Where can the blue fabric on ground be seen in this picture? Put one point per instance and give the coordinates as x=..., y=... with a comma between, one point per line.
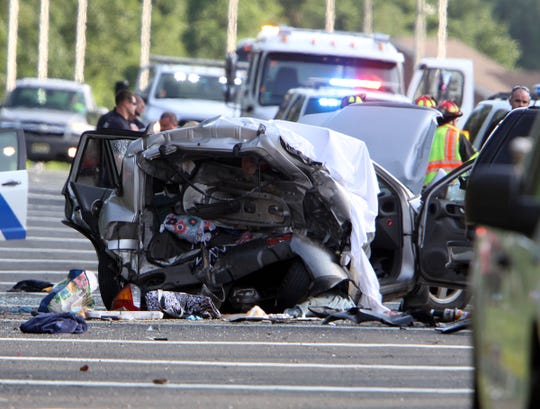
x=55, y=323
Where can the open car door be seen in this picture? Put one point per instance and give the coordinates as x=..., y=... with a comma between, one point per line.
x=94, y=176
x=444, y=240
x=13, y=185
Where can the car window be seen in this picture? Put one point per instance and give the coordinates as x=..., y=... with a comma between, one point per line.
x=284, y=106
x=47, y=98
x=521, y=128
x=190, y=85
x=475, y=121
x=9, y=153
x=283, y=71
x=95, y=168
x=442, y=83
x=296, y=109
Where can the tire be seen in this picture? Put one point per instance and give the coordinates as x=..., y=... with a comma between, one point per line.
x=417, y=298
x=436, y=298
x=295, y=286
x=443, y=297
x=109, y=284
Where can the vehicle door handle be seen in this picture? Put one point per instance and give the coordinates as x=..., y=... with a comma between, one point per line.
x=11, y=183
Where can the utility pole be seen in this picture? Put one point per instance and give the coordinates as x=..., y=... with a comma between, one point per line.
x=80, y=43
x=11, y=68
x=43, y=51
x=420, y=31
x=146, y=27
x=368, y=17
x=442, y=35
x=330, y=15
x=232, y=21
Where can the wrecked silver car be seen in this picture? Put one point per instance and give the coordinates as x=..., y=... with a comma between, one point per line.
x=247, y=212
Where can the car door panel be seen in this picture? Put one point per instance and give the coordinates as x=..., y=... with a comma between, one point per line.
x=444, y=239
x=13, y=185
x=95, y=176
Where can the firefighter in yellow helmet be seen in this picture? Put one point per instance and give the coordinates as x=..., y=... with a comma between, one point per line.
x=450, y=147
x=426, y=101
x=353, y=99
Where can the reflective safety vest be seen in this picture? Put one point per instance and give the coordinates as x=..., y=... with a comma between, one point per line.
x=444, y=152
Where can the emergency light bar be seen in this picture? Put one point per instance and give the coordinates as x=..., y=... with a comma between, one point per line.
x=355, y=83
x=329, y=102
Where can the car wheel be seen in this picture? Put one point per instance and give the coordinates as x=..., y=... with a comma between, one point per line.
x=417, y=298
x=295, y=286
x=109, y=285
x=443, y=297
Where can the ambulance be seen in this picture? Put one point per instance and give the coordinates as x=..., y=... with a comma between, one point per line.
x=284, y=57
x=13, y=184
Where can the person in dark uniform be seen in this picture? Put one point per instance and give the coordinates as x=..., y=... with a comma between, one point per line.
x=139, y=110
x=120, y=116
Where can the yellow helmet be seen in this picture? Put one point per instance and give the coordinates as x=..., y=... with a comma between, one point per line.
x=352, y=99
x=426, y=101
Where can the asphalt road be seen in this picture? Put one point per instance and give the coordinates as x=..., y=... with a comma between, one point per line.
x=206, y=364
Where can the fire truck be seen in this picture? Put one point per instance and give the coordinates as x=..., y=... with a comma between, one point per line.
x=281, y=58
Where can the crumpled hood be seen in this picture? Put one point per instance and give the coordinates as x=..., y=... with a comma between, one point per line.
x=398, y=136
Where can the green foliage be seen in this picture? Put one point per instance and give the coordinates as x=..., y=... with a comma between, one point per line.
x=198, y=28
x=522, y=17
x=475, y=26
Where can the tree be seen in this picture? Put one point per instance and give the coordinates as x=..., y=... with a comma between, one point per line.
x=476, y=26
x=197, y=28
x=521, y=17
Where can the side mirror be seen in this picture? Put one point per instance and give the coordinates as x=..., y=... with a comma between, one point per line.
x=494, y=198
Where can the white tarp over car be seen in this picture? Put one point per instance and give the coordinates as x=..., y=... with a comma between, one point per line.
x=349, y=163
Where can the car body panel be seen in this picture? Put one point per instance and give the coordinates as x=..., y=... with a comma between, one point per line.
x=13, y=185
x=503, y=204
x=400, y=145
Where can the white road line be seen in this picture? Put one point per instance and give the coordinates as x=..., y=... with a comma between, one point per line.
x=43, y=196
x=49, y=250
x=239, y=343
x=44, y=219
x=241, y=387
x=56, y=239
x=42, y=261
x=48, y=229
x=242, y=364
x=33, y=272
